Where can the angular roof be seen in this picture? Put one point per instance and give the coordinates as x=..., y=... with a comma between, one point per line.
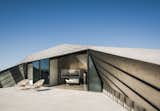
x=146, y=55
x=54, y=52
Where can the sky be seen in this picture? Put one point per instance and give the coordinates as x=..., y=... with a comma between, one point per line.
x=29, y=26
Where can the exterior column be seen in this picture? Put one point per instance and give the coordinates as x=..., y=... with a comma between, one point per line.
x=53, y=72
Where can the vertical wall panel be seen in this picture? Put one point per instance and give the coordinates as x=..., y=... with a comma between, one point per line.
x=53, y=72
x=12, y=76
x=30, y=71
x=7, y=79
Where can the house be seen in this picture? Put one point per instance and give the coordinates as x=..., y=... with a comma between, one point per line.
x=130, y=74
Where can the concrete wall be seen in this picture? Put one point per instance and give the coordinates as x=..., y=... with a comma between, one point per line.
x=137, y=81
x=53, y=72
x=6, y=79
x=30, y=71
x=11, y=76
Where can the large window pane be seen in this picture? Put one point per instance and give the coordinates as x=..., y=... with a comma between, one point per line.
x=44, y=65
x=94, y=82
x=36, y=71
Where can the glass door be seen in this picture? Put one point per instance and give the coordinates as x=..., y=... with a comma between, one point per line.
x=44, y=66
x=36, y=71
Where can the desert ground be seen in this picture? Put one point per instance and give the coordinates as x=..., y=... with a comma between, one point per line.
x=55, y=99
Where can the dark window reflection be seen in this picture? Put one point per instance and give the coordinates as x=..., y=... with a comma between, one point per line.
x=44, y=65
x=94, y=80
x=36, y=71
x=41, y=70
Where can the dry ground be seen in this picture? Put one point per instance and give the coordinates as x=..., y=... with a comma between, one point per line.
x=55, y=99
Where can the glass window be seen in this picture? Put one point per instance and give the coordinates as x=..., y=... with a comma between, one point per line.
x=44, y=65
x=36, y=71
x=94, y=82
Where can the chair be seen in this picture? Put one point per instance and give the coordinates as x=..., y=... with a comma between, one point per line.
x=36, y=85
x=23, y=83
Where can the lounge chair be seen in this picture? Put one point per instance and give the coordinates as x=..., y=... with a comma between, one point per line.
x=23, y=83
x=38, y=84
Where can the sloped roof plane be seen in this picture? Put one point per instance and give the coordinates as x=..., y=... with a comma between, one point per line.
x=146, y=55
x=54, y=52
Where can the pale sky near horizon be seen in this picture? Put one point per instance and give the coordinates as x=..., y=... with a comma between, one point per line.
x=28, y=26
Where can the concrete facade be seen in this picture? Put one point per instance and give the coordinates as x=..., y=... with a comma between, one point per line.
x=11, y=76
x=53, y=72
x=30, y=71
x=6, y=79
x=136, y=80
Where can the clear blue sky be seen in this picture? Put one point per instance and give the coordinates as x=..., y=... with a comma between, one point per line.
x=28, y=26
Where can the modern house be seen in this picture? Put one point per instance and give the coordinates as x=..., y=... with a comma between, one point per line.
x=132, y=75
